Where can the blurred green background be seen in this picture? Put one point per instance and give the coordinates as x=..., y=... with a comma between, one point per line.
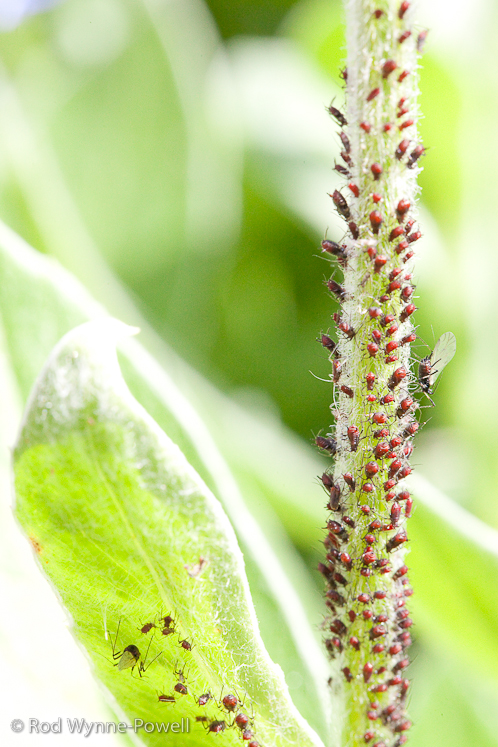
x=185, y=146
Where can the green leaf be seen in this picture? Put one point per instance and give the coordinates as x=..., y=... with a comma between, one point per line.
x=44, y=301
x=129, y=533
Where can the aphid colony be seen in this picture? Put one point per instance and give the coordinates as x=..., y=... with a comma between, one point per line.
x=130, y=657
x=367, y=587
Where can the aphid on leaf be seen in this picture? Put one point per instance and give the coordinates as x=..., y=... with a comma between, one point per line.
x=166, y=698
x=130, y=657
x=432, y=365
x=203, y=699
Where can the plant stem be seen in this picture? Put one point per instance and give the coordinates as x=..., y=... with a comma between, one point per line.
x=367, y=585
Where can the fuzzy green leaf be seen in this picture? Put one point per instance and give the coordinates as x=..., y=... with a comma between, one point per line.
x=128, y=533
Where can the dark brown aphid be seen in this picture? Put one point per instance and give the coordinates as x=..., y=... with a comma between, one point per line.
x=338, y=116
x=130, y=656
x=327, y=444
x=341, y=170
x=146, y=628
x=181, y=688
x=341, y=204
x=415, y=155
x=345, y=142
x=336, y=289
x=216, y=727
x=186, y=645
x=166, y=699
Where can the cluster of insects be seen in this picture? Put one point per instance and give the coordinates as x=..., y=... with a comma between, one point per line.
x=367, y=587
x=131, y=658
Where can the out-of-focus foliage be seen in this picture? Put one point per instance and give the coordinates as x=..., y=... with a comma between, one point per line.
x=187, y=145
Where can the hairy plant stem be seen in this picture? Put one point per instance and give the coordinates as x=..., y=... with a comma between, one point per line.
x=367, y=586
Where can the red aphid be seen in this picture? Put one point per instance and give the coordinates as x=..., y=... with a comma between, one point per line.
x=347, y=329
x=367, y=487
x=406, y=123
x=396, y=232
x=371, y=398
x=404, y=36
x=367, y=671
x=397, y=377
x=376, y=170
x=403, y=8
x=374, y=312
x=354, y=642
x=336, y=369
x=387, y=127
x=373, y=93
x=395, y=513
x=379, y=418
x=353, y=436
x=401, y=150
x=379, y=261
x=403, y=75
x=388, y=67
x=365, y=509
x=370, y=379
x=371, y=469
x=365, y=126
x=401, y=247
x=415, y=155
x=394, y=285
x=407, y=339
x=373, y=349
x=382, y=433
x=375, y=221
x=402, y=208
x=381, y=450
x=230, y=702
x=376, y=335
x=377, y=631
x=375, y=524
x=396, y=541
x=354, y=189
x=376, y=197
x=368, y=557
x=378, y=648
x=355, y=232
x=367, y=614
x=407, y=311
